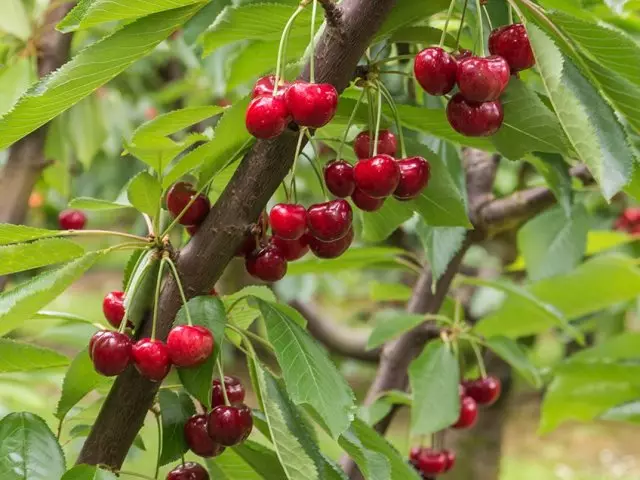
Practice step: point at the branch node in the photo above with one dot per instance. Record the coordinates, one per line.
(333, 14)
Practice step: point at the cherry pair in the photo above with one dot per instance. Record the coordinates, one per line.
(182, 196)
(482, 391)
(72, 219)
(430, 462)
(629, 221)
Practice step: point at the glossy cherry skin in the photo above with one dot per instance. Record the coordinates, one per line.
(468, 413)
(378, 176)
(311, 104)
(451, 459)
(628, 221)
(189, 345)
(268, 264)
(431, 462)
(366, 202)
(188, 471)
(151, 359)
(329, 221)
(288, 221)
(234, 388)
(511, 42)
(230, 425)
(435, 70)
(338, 175)
(197, 437)
(267, 116)
(483, 79)
(113, 308)
(387, 144)
(265, 86)
(292, 249)
(474, 119)
(179, 196)
(71, 219)
(110, 352)
(485, 391)
(331, 249)
(414, 177)
(462, 54)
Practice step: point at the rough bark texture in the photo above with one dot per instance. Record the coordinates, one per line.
(201, 263)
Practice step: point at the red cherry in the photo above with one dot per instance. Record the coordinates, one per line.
(267, 116)
(113, 308)
(485, 391)
(366, 202)
(332, 249)
(93, 340)
(474, 119)
(288, 221)
(268, 264)
(265, 86)
(234, 388)
(230, 425)
(511, 42)
(451, 459)
(312, 104)
(482, 79)
(462, 54)
(151, 358)
(435, 70)
(329, 221)
(150, 113)
(198, 439)
(213, 292)
(110, 352)
(387, 144)
(378, 176)
(468, 413)
(338, 175)
(632, 215)
(71, 219)
(414, 177)
(189, 345)
(292, 249)
(188, 471)
(414, 453)
(431, 462)
(179, 196)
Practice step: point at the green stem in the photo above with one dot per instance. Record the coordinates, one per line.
(408, 56)
(438, 318)
(476, 351)
(462, 17)
(86, 233)
(409, 265)
(396, 72)
(486, 12)
(372, 118)
(312, 60)
(316, 170)
(394, 109)
(378, 119)
(446, 23)
(223, 386)
(282, 48)
(510, 14)
(457, 314)
(156, 299)
(295, 164)
(480, 27)
(174, 270)
(159, 425)
(251, 335)
(349, 124)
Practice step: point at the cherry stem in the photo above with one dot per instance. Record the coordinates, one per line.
(408, 56)
(476, 351)
(457, 313)
(372, 119)
(174, 270)
(394, 109)
(396, 72)
(438, 318)
(252, 336)
(464, 13)
(223, 386)
(83, 233)
(295, 164)
(349, 124)
(510, 14)
(156, 299)
(147, 220)
(480, 27)
(378, 119)
(160, 442)
(312, 60)
(316, 170)
(281, 49)
(286, 191)
(486, 12)
(409, 265)
(446, 23)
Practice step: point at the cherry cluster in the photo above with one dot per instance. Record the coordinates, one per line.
(182, 198)
(629, 221)
(476, 110)
(71, 219)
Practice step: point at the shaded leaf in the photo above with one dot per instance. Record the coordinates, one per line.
(516, 356)
(441, 244)
(175, 410)
(144, 193)
(88, 472)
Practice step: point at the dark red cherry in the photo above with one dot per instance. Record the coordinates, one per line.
(179, 196)
(265, 86)
(468, 413)
(197, 437)
(267, 116)
(288, 221)
(93, 340)
(462, 54)
(482, 79)
(292, 249)
(451, 459)
(113, 308)
(189, 345)
(151, 359)
(377, 176)
(366, 202)
(234, 388)
(268, 264)
(188, 471)
(110, 352)
(435, 70)
(414, 453)
(332, 249)
(213, 292)
(230, 425)
(431, 462)
(71, 219)
(414, 177)
(338, 175)
(312, 104)
(485, 391)
(511, 42)
(329, 220)
(387, 144)
(474, 119)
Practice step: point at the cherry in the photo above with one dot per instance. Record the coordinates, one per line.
(485, 391)
(113, 308)
(435, 70)
(387, 144)
(234, 388)
(482, 79)
(312, 104)
(462, 54)
(151, 358)
(366, 202)
(265, 86)
(71, 219)
(431, 462)
(329, 221)
(267, 116)
(332, 249)
(474, 119)
(230, 425)
(414, 453)
(110, 352)
(189, 345)
(213, 292)
(179, 196)
(338, 175)
(188, 471)
(150, 113)
(198, 439)
(377, 176)
(451, 459)
(414, 177)
(511, 42)
(292, 249)
(268, 264)
(288, 221)
(468, 413)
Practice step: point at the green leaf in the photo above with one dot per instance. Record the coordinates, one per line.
(441, 245)
(310, 376)
(244, 314)
(28, 449)
(390, 324)
(231, 466)
(15, 78)
(409, 12)
(389, 292)
(142, 283)
(261, 459)
(378, 226)
(625, 346)
(517, 357)
(175, 410)
(89, 69)
(14, 19)
(23, 357)
(26, 256)
(209, 312)
(88, 472)
(144, 193)
(88, 203)
(10, 233)
(555, 171)
(172, 122)
(86, 129)
(352, 259)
